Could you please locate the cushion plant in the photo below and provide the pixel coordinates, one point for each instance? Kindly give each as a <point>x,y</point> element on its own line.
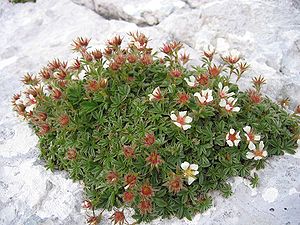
<point>143,131</point>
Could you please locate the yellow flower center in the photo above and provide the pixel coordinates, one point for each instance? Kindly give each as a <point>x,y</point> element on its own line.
<point>189,173</point>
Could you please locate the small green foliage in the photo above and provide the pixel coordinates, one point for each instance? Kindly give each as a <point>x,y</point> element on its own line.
<point>254,180</point>
<point>145,132</point>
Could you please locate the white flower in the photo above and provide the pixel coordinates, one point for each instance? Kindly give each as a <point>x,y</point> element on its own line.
<point>251,137</point>
<point>190,171</point>
<point>233,138</point>
<point>182,120</point>
<point>23,100</point>
<point>79,76</point>
<point>223,91</point>
<point>228,104</point>
<point>205,97</point>
<point>257,153</point>
<point>191,81</point>
<point>46,90</point>
<point>156,94</point>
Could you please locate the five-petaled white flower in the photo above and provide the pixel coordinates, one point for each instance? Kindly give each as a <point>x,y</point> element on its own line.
<point>156,94</point>
<point>182,120</point>
<point>233,138</point>
<point>190,171</point>
<point>191,81</point>
<point>223,91</point>
<point>205,97</point>
<point>251,137</point>
<point>228,104</point>
<point>257,153</point>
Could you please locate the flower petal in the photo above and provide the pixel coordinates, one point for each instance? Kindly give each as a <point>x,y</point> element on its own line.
<point>251,146</point>
<point>177,124</point>
<point>220,85</point>
<point>265,153</point>
<point>222,102</point>
<point>236,142</point>
<point>236,109</point>
<point>230,143</point>
<point>210,98</point>
<point>182,113</point>
<point>173,117</point>
<point>194,166</point>
<point>151,97</point>
<point>256,137</point>
<point>257,157</point>
<point>191,180</point>
<point>261,145</point>
<point>247,129</point>
<point>186,126</point>
<point>195,173</point>
<point>231,131</point>
<point>188,119</point>
<point>185,165</point>
<point>249,155</point>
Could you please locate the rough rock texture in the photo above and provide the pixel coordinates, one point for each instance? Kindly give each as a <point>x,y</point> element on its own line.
<point>267,32</point>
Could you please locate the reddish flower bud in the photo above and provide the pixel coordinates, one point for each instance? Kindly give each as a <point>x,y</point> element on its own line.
<point>30,79</point>
<point>76,65</point>
<point>132,58</point>
<point>63,120</point>
<point>149,139</point>
<point>184,58</point>
<point>42,116</point>
<point>202,79</point>
<point>128,151</point>
<point>112,177</point>
<point>145,206</point>
<point>61,74</point>
<point>103,83</point>
<point>183,98</point>
<point>80,44</point>
<point>146,59</point>
<point>97,54</point>
<point>56,93</point>
<point>45,128</point>
<point>118,217</point>
<point>128,197</point>
<point>71,154</point>
<point>115,42</point>
<point>154,159</point>
<point>114,66</point>
<point>93,220</point>
<point>147,191</point>
<point>93,86</point>
<point>87,56</point>
<point>63,83</point>
<point>45,73</point>
<point>166,49</point>
<point>120,59</point>
<point>175,73</point>
<point>108,51</point>
<point>130,180</point>
<point>175,184</point>
<point>214,71</point>
<point>254,96</point>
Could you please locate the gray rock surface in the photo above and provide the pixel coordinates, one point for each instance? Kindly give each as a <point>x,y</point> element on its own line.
<point>267,32</point>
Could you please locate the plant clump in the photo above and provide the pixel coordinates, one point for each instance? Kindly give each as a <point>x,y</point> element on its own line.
<point>144,132</point>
